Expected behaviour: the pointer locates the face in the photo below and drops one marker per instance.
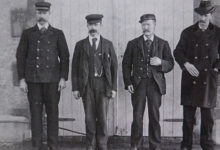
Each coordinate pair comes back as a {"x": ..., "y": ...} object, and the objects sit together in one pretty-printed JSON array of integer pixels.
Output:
[
  {"x": 148, "y": 27},
  {"x": 94, "y": 29},
  {"x": 42, "y": 16},
  {"x": 205, "y": 19}
]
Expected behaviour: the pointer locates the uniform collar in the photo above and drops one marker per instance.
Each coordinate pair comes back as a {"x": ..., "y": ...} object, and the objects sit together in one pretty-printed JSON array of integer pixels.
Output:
[
  {"x": 151, "y": 38},
  {"x": 97, "y": 37},
  {"x": 46, "y": 25}
]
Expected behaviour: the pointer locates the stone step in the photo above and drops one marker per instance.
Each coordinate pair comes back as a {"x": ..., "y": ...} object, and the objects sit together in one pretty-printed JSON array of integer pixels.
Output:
[{"x": 13, "y": 128}]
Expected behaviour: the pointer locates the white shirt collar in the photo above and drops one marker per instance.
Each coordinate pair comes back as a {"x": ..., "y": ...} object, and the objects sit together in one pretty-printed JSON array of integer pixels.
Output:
[
  {"x": 46, "y": 25},
  {"x": 97, "y": 42},
  {"x": 202, "y": 28},
  {"x": 151, "y": 38}
]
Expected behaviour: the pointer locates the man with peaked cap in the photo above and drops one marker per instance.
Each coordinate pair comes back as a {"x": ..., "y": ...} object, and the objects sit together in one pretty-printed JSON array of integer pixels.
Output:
[
  {"x": 197, "y": 53},
  {"x": 94, "y": 78},
  {"x": 43, "y": 65},
  {"x": 145, "y": 61}
]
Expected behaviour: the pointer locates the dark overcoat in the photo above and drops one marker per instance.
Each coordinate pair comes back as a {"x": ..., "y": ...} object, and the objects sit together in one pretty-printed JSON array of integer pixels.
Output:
[
  {"x": 200, "y": 48},
  {"x": 42, "y": 58},
  {"x": 133, "y": 62},
  {"x": 80, "y": 65}
]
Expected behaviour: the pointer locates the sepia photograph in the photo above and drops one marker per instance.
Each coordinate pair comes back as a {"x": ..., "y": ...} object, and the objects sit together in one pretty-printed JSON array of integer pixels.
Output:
[{"x": 110, "y": 75}]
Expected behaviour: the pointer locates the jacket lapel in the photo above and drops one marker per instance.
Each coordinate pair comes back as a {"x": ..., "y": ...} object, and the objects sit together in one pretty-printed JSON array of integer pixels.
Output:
[
  {"x": 140, "y": 44},
  {"x": 155, "y": 46},
  {"x": 86, "y": 45},
  {"x": 103, "y": 46}
]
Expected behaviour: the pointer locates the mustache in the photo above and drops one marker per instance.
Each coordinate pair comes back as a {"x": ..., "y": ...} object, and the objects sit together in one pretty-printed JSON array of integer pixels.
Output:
[
  {"x": 201, "y": 21},
  {"x": 41, "y": 19},
  {"x": 146, "y": 30},
  {"x": 92, "y": 31}
]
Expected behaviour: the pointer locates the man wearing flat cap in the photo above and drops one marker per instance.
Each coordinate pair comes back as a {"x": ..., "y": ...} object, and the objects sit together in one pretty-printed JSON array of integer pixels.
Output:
[
  {"x": 43, "y": 65},
  {"x": 197, "y": 54},
  {"x": 94, "y": 78},
  {"x": 145, "y": 61}
]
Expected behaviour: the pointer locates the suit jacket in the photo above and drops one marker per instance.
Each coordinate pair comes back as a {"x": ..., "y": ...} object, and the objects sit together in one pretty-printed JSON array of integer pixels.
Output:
[
  {"x": 133, "y": 61},
  {"x": 201, "y": 49},
  {"x": 80, "y": 66},
  {"x": 42, "y": 58}
]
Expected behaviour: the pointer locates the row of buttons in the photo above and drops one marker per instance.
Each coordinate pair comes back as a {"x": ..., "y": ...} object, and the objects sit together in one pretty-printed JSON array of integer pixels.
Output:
[
  {"x": 38, "y": 66},
  {"x": 207, "y": 44},
  {"x": 206, "y": 57},
  {"x": 47, "y": 41},
  {"x": 194, "y": 82},
  {"x": 39, "y": 50}
]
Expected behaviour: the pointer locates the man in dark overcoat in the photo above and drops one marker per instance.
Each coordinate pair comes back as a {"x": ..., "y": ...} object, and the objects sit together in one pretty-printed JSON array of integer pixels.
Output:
[
  {"x": 94, "y": 78},
  {"x": 197, "y": 53},
  {"x": 43, "y": 65},
  {"x": 145, "y": 61}
]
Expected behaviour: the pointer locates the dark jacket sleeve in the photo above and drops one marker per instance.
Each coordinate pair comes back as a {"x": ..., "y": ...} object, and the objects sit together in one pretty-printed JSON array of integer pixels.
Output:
[
  {"x": 63, "y": 55},
  {"x": 75, "y": 68},
  {"x": 127, "y": 64},
  {"x": 21, "y": 55},
  {"x": 217, "y": 64},
  {"x": 114, "y": 67},
  {"x": 167, "y": 61},
  {"x": 180, "y": 51}
]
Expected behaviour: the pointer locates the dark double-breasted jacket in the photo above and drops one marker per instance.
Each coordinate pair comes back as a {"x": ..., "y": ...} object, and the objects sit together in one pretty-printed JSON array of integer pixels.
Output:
[
  {"x": 200, "y": 48},
  {"x": 42, "y": 58},
  {"x": 133, "y": 62},
  {"x": 80, "y": 65}
]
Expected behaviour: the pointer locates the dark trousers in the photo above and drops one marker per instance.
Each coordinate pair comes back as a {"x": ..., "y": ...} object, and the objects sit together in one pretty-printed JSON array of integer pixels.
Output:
[
  {"x": 96, "y": 108},
  {"x": 207, "y": 122},
  {"x": 146, "y": 88},
  {"x": 47, "y": 94}
]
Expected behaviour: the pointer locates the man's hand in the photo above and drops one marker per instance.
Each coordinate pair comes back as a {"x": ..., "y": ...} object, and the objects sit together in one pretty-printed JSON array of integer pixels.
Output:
[
  {"x": 155, "y": 61},
  {"x": 113, "y": 94},
  {"x": 76, "y": 95},
  {"x": 191, "y": 69},
  {"x": 131, "y": 89},
  {"x": 215, "y": 69},
  {"x": 23, "y": 85},
  {"x": 62, "y": 84}
]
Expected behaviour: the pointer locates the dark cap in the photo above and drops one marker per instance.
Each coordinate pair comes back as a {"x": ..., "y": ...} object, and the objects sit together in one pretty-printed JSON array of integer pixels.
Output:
[
  {"x": 205, "y": 7},
  {"x": 94, "y": 18},
  {"x": 42, "y": 6},
  {"x": 147, "y": 17}
]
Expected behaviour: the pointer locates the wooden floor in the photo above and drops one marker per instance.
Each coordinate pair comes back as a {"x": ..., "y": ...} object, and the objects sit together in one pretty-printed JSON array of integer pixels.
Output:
[{"x": 81, "y": 146}]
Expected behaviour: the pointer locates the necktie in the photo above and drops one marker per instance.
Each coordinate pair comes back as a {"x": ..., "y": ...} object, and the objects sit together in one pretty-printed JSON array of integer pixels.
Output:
[
  {"x": 43, "y": 30},
  {"x": 148, "y": 43},
  {"x": 94, "y": 43}
]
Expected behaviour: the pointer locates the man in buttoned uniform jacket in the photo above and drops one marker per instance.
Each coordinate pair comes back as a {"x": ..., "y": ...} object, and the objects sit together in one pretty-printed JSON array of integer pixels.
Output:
[
  {"x": 197, "y": 53},
  {"x": 43, "y": 65}
]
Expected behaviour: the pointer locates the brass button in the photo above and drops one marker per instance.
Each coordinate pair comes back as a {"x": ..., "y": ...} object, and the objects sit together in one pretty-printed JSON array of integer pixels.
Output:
[
  {"x": 38, "y": 41},
  {"x": 37, "y": 66},
  {"x": 197, "y": 45},
  {"x": 204, "y": 83},
  {"x": 38, "y": 49},
  {"x": 37, "y": 57},
  {"x": 48, "y": 50},
  {"x": 141, "y": 68},
  {"x": 48, "y": 42},
  {"x": 47, "y": 66},
  {"x": 48, "y": 58},
  {"x": 139, "y": 77},
  {"x": 195, "y": 57},
  {"x": 194, "y": 82},
  {"x": 207, "y": 44},
  {"x": 205, "y": 69},
  {"x": 206, "y": 57}
]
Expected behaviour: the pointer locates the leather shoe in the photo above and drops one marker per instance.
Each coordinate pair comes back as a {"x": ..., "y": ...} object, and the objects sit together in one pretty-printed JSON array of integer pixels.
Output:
[{"x": 184, "y": 148}]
